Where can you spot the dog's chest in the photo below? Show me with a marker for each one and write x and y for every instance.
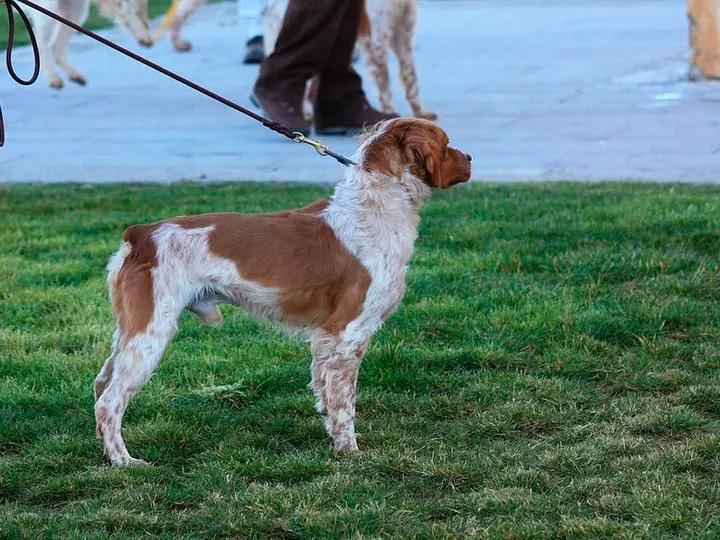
(387, 267)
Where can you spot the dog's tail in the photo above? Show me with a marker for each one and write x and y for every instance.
(113, 269)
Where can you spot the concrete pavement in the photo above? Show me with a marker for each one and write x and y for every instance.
(533, 89)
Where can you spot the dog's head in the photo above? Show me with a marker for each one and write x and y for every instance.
(418, 147)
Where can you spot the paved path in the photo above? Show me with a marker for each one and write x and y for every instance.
(534, 89)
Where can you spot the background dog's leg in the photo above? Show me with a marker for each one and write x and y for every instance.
(402, 45)
(77, 12)
(335, 368)
(184, 10)
(375, 51)
(311, 91)
(45, 29)
(132, 366)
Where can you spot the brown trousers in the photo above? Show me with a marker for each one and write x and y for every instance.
(317, 37)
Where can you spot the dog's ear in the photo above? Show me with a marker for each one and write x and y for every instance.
(381, 154)
(424, 152)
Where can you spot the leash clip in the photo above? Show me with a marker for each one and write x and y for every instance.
(319, 147)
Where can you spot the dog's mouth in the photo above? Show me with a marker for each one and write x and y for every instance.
(463, 170)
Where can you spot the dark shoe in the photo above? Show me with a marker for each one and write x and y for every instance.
(254, 51)
(348, 120)
(282, 112)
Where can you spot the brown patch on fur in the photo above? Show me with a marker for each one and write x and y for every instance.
(133, 289)
(382, 154)
(322, 283)
(420, 146)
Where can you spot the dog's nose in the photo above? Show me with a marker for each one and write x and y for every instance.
(469, 157)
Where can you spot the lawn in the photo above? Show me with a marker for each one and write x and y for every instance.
(94, 22)
(553, 372)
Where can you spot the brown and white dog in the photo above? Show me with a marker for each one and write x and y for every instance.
(334, 270)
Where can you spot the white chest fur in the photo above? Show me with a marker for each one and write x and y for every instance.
(376, 220)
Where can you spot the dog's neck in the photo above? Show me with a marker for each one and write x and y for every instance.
(376, 217)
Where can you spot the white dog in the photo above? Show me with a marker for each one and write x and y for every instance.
(53, 38)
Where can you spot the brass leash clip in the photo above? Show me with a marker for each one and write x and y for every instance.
(319, 147)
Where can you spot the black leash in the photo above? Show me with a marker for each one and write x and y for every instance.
(11, 5)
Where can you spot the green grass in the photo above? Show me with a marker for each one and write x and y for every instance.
(95, 21)
(553, 372)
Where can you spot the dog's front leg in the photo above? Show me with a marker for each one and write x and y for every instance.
(185, 9)
(78, 13)
(335, 367)
(45, 31)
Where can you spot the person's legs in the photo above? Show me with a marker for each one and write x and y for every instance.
(317, 37)
(338, 81)
(308, 34)
(341, 105)
(250, 14)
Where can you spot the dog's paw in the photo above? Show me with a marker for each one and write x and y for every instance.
(78, 79)
(346, 447)
(427, 115)
(132, 462)
(56, 83)
(181, 45)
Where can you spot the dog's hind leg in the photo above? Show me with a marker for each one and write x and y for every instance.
(184, 10)
(103, 378)
(375, 47)
(402, 45)
(133, 365)
(147, 318)
(45, 29)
